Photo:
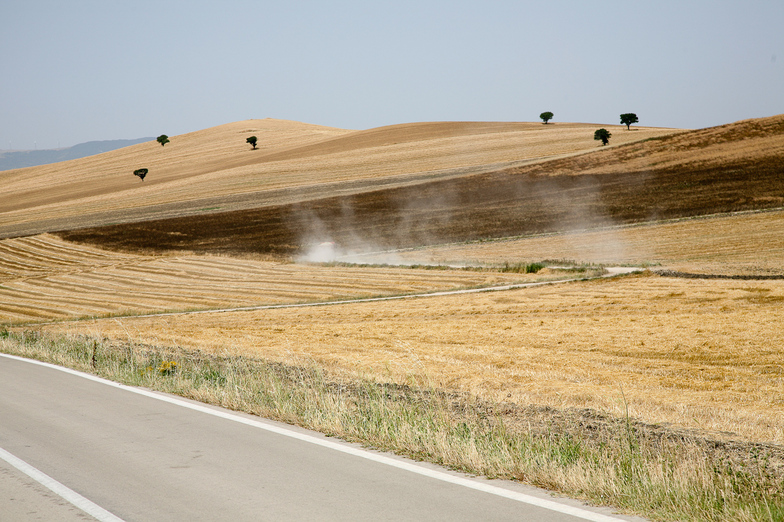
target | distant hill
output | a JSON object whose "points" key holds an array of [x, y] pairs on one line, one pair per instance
{"points": [[31, 158], [215, 169], [677, 174]]}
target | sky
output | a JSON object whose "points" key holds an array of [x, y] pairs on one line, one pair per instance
{"points": [[79, 70]]}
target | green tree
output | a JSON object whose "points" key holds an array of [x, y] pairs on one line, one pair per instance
{"points": [[252, 140], [628, 118], [546, 116], [603, 135], [141, 173], [163, 139]]}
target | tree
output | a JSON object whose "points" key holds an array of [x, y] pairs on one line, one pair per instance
{"points": [[628, 118], [163, 139], [546, 116], [602, 134], [252, 141], [141, 173]]}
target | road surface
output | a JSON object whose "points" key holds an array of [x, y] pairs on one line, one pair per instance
{"points": [[72, 444]]}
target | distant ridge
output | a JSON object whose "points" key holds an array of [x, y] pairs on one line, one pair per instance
{"points": [[32, 158]]}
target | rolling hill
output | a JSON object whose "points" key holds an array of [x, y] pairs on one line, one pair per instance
{"points": [[295, 162], [461, 182], [695, 360]]}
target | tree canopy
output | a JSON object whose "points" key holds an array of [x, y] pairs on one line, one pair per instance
{"points": [[163, 139], [603, 135], [628, 118], [252, 140], [141, 173], [546, 116]]}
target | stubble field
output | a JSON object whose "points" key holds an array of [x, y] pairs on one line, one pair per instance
{"points": [[698, 356], [675, 347]]}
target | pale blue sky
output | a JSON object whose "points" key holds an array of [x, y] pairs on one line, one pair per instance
{"points": [[78, 70]]}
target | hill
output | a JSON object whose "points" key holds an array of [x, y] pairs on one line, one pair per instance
{"points": [[295, 162], [30, 158], [668, 175]]}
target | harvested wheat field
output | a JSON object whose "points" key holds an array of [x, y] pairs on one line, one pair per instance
{"points": [[217, 225], [45, 278], [692, 354], [741, 244], [214, 169], [675, 176]]}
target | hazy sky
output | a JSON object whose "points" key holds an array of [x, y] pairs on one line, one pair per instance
{"points": [[77, 70]]}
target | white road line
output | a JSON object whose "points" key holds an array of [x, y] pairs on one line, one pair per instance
{"points": [[66, 493], [344, 448]]}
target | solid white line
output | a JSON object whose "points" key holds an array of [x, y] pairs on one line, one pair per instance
{"points": [[66, 493], [344, 448]]}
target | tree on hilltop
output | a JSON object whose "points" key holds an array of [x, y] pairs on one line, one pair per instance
{"points": [[603, 135], [252, 140], [141, 173], [546, 116], [163, 139], [628, 118]]}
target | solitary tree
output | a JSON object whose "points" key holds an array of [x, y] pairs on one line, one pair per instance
{"points": [[252, 141], [141, 173], [603, 135], [163, 139], [628, 118], [546, 116]]}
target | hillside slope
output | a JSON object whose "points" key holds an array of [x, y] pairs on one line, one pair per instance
{"points": [[295, 162], [728, 168]]}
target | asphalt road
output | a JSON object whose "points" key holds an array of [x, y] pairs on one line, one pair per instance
{"points": [[71, 444]]}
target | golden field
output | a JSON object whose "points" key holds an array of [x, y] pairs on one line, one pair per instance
{"points": [[215, 169], [693, 354], [46, 278], [740, 244]]}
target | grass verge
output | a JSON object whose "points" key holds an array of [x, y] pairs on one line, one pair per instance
{"points": [[616, 462]]}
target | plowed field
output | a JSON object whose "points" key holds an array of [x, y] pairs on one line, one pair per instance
{"points": [[214, 169], [725, 169]]}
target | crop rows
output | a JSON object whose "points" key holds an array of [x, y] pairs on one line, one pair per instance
{"points": [[45, 278]]}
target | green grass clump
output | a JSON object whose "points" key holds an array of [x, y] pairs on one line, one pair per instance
{"points": [[662, 478], [522, 268]]}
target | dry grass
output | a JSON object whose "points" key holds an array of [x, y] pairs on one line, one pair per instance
{"points": [[694, 354], [638, 468]]}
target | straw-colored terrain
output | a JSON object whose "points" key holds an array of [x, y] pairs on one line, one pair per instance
{"points": [[216, 225], [44, 278], [740, 244], [695, 354], [215, 169]]}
